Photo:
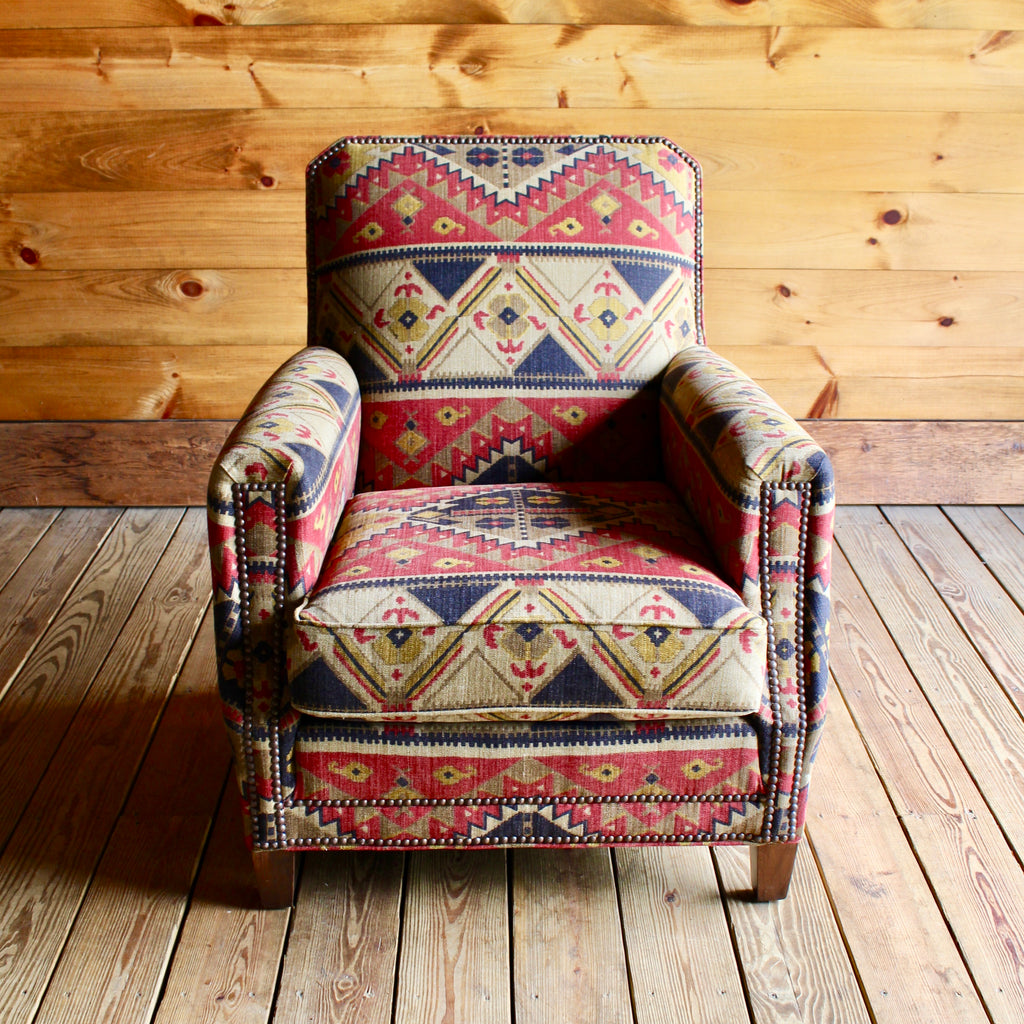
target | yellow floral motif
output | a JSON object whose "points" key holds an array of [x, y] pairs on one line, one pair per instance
{"points": [[378, 419], [496, 500], [449, 415], [403, 555], [641, 230], [448, 774], [410, 442], [657, 644], [398, 646], [357, 570], [570, 226], [697, 769], [408, 318], [604, 562], [354, 771], [574, 414], [543, 499], [602, 772], [508, 317], [370, 232], [450, 563], [445, 226]]}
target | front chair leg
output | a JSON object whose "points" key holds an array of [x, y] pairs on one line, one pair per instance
{"points": [[771, 868], [275, 877]]}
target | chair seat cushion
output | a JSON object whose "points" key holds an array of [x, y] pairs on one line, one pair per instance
{"points": [[524, 602]]}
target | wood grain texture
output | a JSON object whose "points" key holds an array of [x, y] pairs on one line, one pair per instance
{"points": [[670, 903], [33, 595], [985, 611], [167, 462], [20, 531], [135, 383], [997, 540], [455, 939], [918, 463], [745, 229], [343, 946], [194, 382], [55, 848], [567, 955], [225, 968], [42, 700], [210, 13], [512, 66], [130, 917], [154, 308], [958, 838], [795, 965], [977, 714], [159, 462], [889, 920], [253, 150]]}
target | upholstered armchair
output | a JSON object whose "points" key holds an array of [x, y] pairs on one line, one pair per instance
{"points": [[507, 556]]}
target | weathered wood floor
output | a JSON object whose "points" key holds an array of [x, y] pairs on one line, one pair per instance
{"points": [[124, 888]]}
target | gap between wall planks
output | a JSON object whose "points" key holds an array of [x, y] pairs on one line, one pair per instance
{"points": [[167, 462]]}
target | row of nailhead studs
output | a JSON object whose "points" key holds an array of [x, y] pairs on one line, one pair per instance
{"points": [[482, 801], [764, 572], [699, 837], [801, 737], [238, 492]]}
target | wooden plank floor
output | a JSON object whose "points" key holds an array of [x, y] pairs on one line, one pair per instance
{"points": [[125, 893]]}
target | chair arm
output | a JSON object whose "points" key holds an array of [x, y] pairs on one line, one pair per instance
{"points": [[276, 495], [762, 491]]}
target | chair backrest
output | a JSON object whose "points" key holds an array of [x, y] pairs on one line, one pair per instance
{"points": [[508, 304]]}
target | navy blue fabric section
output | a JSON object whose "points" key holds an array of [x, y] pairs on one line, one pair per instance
{"points": [[447, 276], [451, 602], [644, 278], [548, 358], [577, 684], [318, 687]]}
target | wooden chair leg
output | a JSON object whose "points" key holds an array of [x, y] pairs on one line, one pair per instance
{"points": [[275, 877], [771, 868]]}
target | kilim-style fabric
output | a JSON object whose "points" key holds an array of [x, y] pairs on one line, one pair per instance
{"points": [[763, 493], [524, 601], [539, 784], [506, 305], [513, 558]]}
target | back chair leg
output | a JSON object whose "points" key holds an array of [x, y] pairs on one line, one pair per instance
{"points": [[275, 877], [771, 868]]}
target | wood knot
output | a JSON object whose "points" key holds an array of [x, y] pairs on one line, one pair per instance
{"points": [[206, 21], [892, 216], [266, 181], [783, 291], [947, 321], [191, 288], [29, 255], [473, 66]]}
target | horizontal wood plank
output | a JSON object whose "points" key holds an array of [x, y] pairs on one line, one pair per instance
{"points": [[167, 462], [822, 308], [744, 229], [857, 150], [513, 66], [211, 13]]}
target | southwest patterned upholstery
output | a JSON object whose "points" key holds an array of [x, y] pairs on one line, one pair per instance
{"points": [[507, 556]]}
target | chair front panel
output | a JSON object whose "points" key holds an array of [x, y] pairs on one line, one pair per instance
{"points": [[507, 304]]}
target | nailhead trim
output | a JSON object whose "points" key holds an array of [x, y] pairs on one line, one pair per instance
{"points": [[801, 656], [693, 838], [240, 499], [484, 801]]}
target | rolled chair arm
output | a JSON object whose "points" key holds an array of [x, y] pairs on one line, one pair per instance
{"points": [[276, 495], [762, 491]]}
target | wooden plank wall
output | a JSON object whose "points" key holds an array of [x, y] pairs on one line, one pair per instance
{"points": [[864, 176]]}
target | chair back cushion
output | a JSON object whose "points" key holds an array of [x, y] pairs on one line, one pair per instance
{"points": [[508, 304]]}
